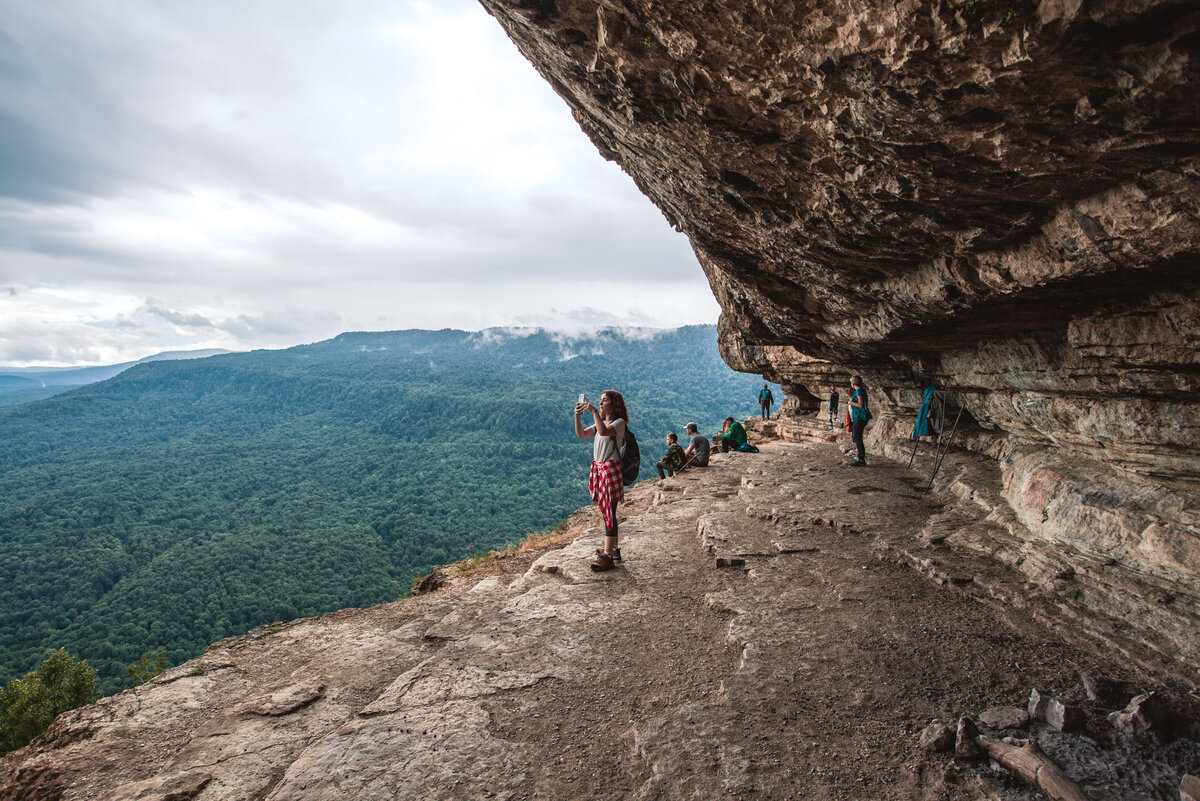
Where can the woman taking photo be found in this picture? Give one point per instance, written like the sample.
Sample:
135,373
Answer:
860,413
605,482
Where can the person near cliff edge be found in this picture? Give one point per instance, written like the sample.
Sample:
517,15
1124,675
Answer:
697,452
733,435
605,481
860,413
765,399
674,459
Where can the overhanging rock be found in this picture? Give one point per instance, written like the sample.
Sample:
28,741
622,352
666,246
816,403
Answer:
1000,198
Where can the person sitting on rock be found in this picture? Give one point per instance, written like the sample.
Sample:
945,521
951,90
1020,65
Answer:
674,459
733,435
697,452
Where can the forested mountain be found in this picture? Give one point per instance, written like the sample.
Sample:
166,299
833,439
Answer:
185,501
23,384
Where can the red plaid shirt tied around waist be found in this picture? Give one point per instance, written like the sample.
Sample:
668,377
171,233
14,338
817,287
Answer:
606,484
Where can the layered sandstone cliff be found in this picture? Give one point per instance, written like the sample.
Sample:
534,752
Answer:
999,197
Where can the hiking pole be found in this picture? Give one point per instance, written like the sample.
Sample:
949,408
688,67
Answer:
916,442
941,454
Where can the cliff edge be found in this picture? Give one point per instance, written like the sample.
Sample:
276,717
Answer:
783,626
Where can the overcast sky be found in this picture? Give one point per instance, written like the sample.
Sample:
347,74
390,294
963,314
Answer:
264,173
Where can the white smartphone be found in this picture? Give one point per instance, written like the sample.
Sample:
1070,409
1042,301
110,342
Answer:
582,398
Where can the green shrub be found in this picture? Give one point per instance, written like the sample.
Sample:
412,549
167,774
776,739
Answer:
145,668
29,705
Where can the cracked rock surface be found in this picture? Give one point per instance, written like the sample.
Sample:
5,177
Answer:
765,637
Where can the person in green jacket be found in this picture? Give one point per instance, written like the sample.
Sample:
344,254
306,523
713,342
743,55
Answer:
732,435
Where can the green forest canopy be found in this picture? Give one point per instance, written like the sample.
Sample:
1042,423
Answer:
182,502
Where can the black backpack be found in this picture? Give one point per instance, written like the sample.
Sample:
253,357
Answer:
631,458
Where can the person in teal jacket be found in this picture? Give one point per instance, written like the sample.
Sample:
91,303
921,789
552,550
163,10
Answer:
732,435
860,413
765,399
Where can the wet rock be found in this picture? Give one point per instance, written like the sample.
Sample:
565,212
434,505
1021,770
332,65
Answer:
1005,717
937,737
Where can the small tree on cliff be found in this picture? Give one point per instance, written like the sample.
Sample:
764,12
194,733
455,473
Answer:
146,668
29,705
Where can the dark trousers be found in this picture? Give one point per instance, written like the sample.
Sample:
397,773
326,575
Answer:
857,436
766,409
664,469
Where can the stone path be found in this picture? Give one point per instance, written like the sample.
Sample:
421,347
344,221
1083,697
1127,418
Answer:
766,637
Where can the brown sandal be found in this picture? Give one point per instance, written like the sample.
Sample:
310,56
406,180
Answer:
616,555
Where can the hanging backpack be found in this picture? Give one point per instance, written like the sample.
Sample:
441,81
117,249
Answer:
631,458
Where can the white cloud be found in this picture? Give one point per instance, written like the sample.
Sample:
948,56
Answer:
236,175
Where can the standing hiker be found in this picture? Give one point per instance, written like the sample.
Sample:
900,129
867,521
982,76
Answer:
765,399
605,481
833,406
860,413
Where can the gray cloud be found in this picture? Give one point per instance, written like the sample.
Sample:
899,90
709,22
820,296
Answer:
176,318
267,173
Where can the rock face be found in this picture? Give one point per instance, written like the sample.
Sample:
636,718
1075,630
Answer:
999,198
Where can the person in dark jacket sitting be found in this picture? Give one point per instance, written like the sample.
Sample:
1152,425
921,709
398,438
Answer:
674,459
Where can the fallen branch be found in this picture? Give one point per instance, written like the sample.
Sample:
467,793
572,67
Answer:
1032,766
